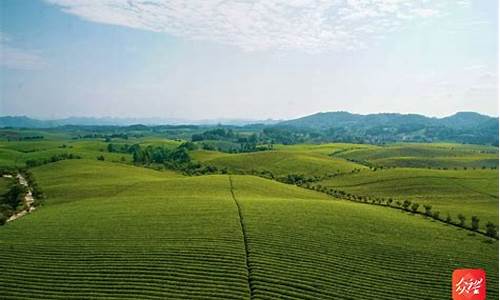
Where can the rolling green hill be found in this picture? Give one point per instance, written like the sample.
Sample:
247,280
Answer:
109,230
279,162
140,234
18,153
325,149
424,155
341,250
468,192
322,159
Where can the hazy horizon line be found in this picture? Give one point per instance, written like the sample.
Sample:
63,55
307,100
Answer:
180,119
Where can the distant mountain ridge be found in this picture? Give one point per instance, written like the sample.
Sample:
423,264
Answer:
462,127
325,120
27,122
465,127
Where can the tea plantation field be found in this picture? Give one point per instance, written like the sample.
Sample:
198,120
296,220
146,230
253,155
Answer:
468,192
16,154
355,251
438,155
110,230
278,162
135,234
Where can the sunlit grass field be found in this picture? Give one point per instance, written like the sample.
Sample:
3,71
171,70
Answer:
328,249
439,155
468,192
15,154
279,162
110,230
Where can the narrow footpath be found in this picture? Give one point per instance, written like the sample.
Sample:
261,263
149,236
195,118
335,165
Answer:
245,239
28,199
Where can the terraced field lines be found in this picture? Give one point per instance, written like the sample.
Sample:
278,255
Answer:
245,238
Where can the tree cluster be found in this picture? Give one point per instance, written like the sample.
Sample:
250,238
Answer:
30,163
11,201
160,155
242,142
214,134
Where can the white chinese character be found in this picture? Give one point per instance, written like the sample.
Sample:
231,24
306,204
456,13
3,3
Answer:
469,285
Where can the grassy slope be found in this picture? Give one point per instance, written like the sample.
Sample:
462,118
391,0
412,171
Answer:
147,234
140,234
80,179
204,155
17,153
325,149
279,162
5,134
437,155
342,250
469,192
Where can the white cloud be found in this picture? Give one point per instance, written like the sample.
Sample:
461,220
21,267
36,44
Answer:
306,25
474,68
426,12
19,59
464,3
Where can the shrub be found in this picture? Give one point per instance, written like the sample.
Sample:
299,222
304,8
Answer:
414,207
406,204
189,146
3,219
491,230
435,215
428,211
14,197
100,157
448,219
475,223
461,218
6,210
7,171
30,163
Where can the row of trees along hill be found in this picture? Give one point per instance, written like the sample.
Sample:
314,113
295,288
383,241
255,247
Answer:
413,207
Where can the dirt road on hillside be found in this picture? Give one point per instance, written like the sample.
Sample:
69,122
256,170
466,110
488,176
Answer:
28,199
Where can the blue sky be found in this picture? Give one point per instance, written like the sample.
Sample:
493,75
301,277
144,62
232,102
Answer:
247,59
